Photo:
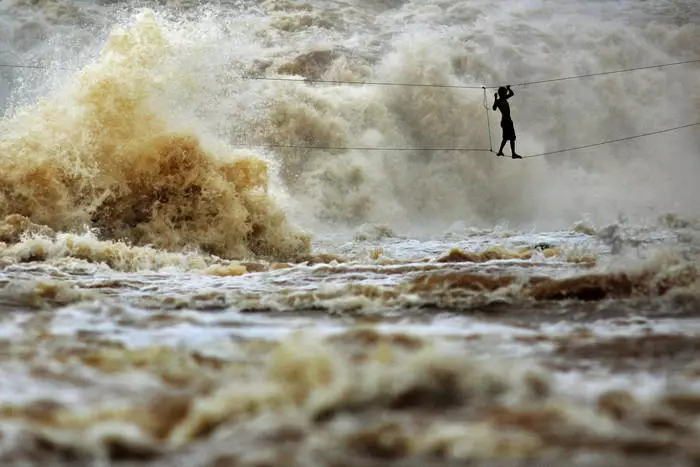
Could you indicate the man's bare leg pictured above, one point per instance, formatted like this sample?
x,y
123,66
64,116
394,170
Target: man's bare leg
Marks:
x,y
500,150
512,150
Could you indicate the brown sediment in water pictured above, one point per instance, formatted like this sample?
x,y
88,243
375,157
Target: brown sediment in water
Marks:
x,y
38,294
321,258
310,65
618,285
14,226
101,155
464,281
683,402
284,5
585,287
225,270
431,286
370,337
312,379
492,253
654,350
298,21
400,403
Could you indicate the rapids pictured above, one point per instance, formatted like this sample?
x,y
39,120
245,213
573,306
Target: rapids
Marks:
x,y
183,281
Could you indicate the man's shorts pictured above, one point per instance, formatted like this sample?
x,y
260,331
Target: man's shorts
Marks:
x,y
508,130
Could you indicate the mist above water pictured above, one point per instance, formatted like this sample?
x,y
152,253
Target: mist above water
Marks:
x,y
196,88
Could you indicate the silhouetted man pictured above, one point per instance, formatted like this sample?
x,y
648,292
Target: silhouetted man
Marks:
x,y
501,103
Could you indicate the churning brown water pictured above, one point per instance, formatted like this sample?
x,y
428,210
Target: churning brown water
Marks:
x,y
184,283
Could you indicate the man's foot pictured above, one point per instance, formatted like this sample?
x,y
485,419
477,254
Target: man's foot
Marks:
x,y
517,156
500,154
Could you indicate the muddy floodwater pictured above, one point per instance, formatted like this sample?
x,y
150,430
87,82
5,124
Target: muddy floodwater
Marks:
x,y
492,346
274,233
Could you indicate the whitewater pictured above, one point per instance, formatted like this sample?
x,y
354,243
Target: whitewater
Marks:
x,y
247,233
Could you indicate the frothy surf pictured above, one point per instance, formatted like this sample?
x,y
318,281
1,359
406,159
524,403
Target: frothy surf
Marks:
x,y
159,304
99,155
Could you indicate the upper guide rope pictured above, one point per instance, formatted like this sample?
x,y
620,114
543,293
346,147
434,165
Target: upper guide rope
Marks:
x,y
427,85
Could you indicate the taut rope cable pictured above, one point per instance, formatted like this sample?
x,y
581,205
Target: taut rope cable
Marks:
x,y
7,65
350,148
488,119
460,86
589,75
426,85
665,130
368,83
339,148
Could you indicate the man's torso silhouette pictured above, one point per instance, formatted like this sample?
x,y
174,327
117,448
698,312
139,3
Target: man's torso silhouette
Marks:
x,y
504,107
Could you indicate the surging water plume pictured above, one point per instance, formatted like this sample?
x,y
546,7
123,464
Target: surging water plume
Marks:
x,y
481,43
100,155
445,43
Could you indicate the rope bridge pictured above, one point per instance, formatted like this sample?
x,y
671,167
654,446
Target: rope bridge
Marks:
x,y
428,85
